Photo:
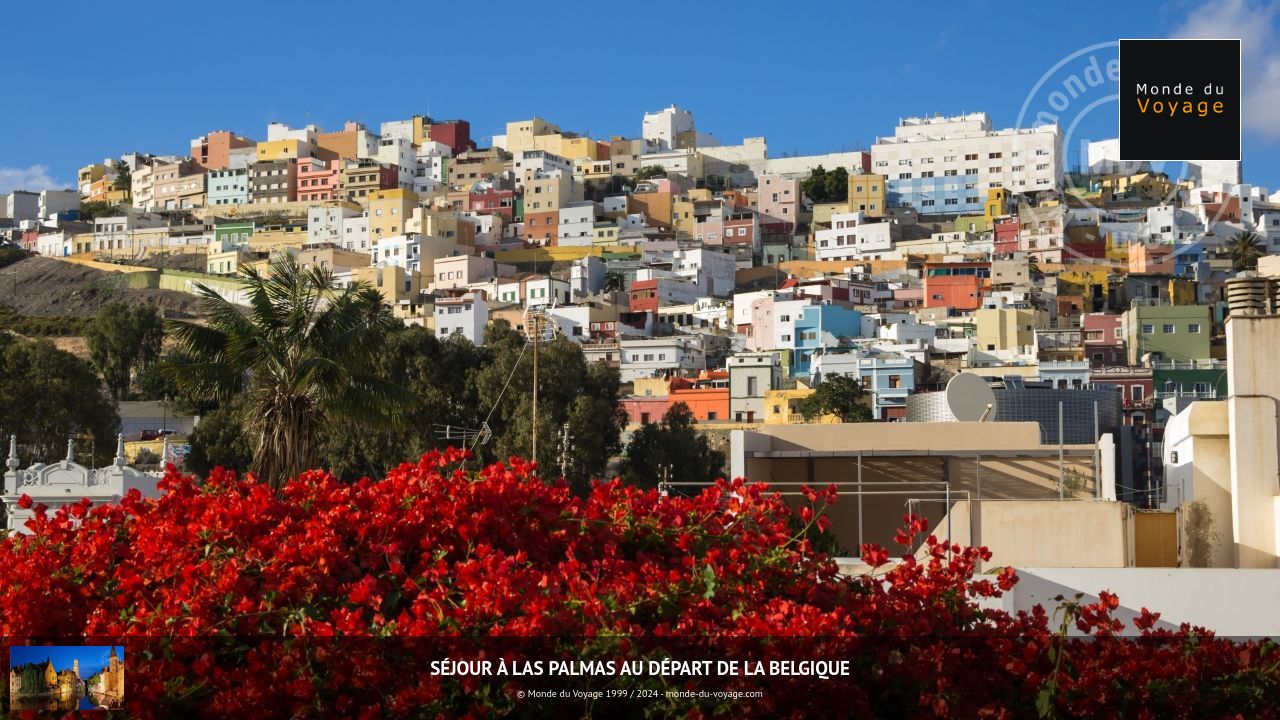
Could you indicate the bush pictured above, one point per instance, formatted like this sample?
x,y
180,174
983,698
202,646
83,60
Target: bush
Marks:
x,y
230,597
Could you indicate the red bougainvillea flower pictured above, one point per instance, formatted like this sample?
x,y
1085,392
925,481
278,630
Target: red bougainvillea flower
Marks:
x,y
332,600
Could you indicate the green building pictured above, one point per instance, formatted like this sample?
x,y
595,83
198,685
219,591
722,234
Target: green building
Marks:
x,y
1179,333
232,234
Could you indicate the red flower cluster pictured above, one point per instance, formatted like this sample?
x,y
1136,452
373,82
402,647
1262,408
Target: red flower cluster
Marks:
x,y
328,600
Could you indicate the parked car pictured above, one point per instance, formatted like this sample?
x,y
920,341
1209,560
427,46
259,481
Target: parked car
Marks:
x,y
155,434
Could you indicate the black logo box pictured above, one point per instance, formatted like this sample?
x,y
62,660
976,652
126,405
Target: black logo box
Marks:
x,y
1186,68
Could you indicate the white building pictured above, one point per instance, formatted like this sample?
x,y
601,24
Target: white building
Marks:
x,y
324,223
1104,159
665,127
465,315
23,205
460,271
403,251
355,232
851,237
946,165
714,272
577,224
63,483
654,357
53,202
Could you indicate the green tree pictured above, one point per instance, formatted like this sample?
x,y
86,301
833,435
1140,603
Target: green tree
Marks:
x,y
304,354
571,391
45,394
651,171
614,281
92,210
673,449
438,375
1244,249
220,441
823,187
838,395
124,340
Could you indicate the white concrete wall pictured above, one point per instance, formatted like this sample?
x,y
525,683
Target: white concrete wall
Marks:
x,y
1230,602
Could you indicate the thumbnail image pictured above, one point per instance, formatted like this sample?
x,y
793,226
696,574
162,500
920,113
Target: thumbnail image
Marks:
x,y
57,678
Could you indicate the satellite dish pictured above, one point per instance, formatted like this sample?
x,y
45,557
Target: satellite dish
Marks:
x,y
970,398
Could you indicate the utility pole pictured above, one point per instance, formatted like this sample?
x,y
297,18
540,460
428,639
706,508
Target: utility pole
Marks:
x,y
534,317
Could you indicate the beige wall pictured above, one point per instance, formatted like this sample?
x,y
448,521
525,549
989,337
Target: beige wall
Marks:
x,y
1253,374
1038,533
931,455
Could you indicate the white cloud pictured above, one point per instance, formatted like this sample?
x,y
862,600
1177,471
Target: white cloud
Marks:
x,y
1254,24
34,178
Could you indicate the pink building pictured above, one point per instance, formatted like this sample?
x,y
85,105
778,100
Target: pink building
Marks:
x,y
760,332
317,180
1104,339
779,201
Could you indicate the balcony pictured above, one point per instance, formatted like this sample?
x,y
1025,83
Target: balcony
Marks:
x,y
1210,394
1189,365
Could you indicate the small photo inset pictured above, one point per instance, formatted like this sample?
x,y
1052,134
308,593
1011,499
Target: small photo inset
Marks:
x,y
65,678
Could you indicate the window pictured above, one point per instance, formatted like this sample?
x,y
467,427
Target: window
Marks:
x,y
904,176
1167,328
971,171
1202,389
1119,332
973,156
926,203
927,174
711,415
895,381
952,201
949,173
1193,328
1136,392
993,156
995,169
1148,328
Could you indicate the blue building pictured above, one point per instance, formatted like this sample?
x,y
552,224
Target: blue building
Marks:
x,y
822,326
888,378
946,195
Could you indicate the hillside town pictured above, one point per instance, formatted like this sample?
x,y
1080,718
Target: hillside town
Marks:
x,y
1089,297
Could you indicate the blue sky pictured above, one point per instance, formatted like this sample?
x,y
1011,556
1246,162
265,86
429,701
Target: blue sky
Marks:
x,y
89,80
92,658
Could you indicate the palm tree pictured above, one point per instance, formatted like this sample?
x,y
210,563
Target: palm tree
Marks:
x,y
1244,249
303,354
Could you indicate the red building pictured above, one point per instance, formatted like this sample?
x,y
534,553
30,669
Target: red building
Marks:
x,y
454,133
1005,232
644,296
1104,339
960,286
494,202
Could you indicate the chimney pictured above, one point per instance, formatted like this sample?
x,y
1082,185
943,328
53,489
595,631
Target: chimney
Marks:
x,y
1251,294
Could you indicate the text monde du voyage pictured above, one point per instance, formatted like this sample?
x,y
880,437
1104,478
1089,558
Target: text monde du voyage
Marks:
x,y
1180,99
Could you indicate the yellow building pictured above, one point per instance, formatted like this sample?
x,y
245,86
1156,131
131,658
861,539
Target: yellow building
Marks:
x,y
390,212
88,175
1006,328
782,407
274,238
605,234
521,134
997,204
395,284
1148,186
1078,280
283,149
867,194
